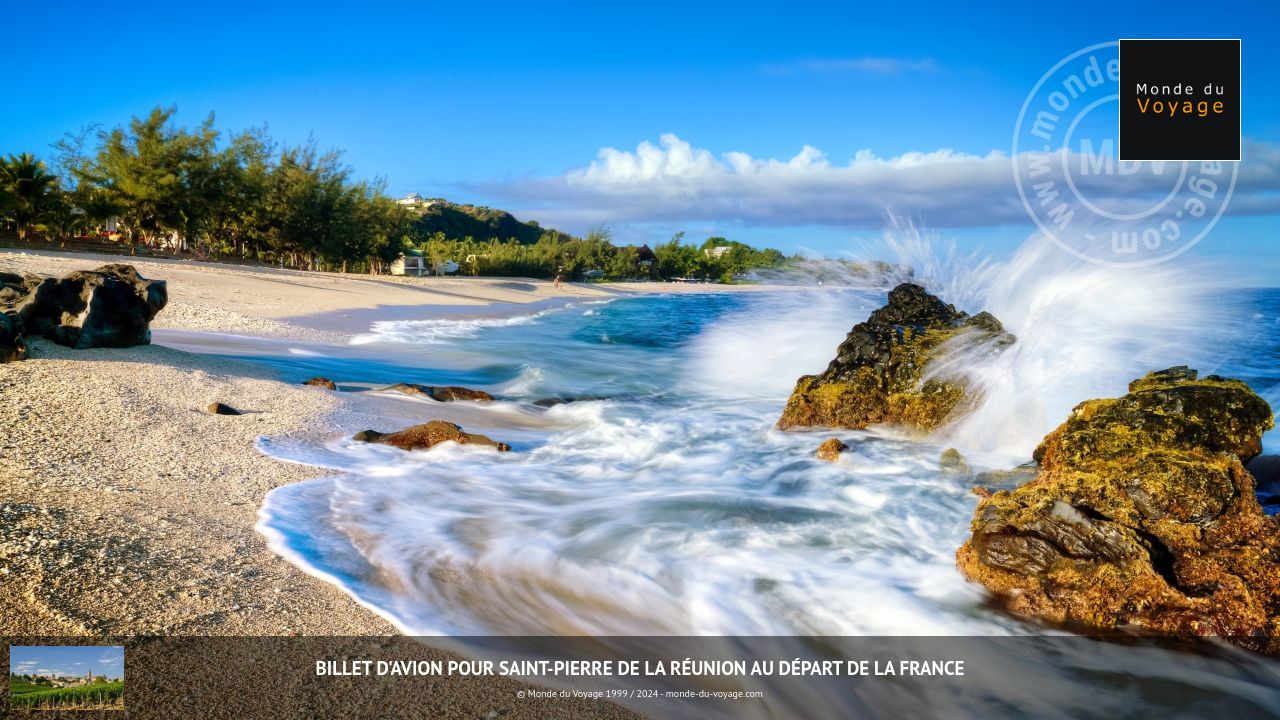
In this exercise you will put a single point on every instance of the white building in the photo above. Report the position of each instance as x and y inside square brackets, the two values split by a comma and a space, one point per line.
[414, 200]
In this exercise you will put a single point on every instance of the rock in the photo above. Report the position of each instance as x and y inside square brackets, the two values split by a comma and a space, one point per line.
[878, 374]
[952, 462]
[554, 401]
[1142, 516]
[221, 409]
[441, 393]
[323, 382]
[109, 307]
[13, 346]
[1008, 479]
[830, 449]
[427, 435]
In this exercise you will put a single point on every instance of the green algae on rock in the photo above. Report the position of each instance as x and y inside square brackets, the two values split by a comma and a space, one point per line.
[878, 374]
[427, 435]
[830, 449]
[1142, 517]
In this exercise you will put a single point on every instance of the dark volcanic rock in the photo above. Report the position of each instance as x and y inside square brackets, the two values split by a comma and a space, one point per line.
[878, 373]
[441, 393]
[427, 435]
[109, 307]
[221, 409]
[323, 382]
[1142, 516]
[554, 401]
[13, 346]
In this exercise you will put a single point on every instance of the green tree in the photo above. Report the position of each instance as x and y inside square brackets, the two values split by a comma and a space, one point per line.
[29, 190]
[161, 176]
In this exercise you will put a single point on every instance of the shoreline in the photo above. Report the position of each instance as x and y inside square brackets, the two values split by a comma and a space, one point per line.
[263, 301]
[126, 510]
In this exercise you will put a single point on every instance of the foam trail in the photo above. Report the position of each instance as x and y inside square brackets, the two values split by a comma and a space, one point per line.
[1084, 330]
[759, 353]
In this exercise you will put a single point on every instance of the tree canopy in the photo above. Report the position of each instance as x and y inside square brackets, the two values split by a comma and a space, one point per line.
[216, 194]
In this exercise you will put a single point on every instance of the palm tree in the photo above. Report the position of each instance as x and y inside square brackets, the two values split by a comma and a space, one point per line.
[99, 206]
[29, 185]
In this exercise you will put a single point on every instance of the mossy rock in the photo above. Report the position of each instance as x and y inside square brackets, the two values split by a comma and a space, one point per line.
[429, 434]
[1143, 517]
[878, 374]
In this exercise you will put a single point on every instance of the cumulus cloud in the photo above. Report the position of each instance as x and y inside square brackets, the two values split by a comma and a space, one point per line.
[673, 181]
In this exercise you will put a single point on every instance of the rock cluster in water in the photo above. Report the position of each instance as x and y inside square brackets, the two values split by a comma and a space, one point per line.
[878, 374]
[1142, 516]
[429, 434]
[441, 393]
[109, 307]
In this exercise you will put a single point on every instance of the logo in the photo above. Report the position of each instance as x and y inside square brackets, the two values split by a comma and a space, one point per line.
[1081, 195]
[1180, 100]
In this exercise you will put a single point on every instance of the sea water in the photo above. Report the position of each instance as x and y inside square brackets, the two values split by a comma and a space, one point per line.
[659, 499]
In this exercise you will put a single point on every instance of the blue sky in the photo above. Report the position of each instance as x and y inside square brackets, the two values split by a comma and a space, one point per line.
[500, 103]
[67, 660]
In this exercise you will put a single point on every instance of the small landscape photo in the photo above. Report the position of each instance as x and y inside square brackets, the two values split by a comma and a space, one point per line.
[66, 677]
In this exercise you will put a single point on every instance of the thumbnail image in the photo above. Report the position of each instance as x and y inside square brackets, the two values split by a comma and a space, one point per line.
[66, 677]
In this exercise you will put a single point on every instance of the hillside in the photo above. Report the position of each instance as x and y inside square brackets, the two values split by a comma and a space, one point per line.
[477, 221]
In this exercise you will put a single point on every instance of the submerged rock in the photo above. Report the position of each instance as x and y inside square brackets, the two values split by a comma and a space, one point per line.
[222, 409]
[878, 374]
[13, 346]
[427, 435]
[952, 462]
[323, 382]
[109, 307]
[1142, 516]
[441, 393]
[830, 449]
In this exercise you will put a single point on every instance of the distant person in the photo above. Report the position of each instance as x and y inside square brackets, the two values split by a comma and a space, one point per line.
[559, 277]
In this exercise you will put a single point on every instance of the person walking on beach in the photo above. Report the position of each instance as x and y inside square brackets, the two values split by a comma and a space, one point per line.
[559, 277]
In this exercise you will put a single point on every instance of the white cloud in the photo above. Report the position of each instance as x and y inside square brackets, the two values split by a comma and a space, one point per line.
[673, 181]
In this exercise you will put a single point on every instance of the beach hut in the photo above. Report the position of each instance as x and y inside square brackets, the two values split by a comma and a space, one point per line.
[411, 263]
[645, 256]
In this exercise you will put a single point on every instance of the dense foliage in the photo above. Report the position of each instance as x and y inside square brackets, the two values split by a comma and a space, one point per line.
[241, 195]
[558, 254]
[459, 221]
[212, 194]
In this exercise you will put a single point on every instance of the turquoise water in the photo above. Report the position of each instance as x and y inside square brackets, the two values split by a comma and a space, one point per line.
[662, 501]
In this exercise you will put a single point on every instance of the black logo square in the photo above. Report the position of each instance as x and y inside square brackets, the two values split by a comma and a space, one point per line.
[1179, 99]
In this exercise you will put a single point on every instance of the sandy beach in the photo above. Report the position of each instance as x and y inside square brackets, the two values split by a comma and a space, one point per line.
[127, 510]
[270, 302]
